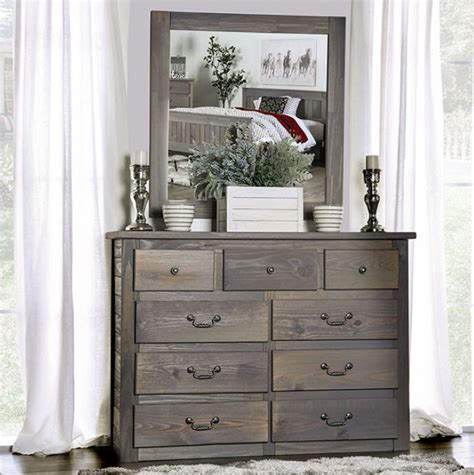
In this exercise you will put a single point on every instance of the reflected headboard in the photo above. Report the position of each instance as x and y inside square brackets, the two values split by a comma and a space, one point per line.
[312, 105]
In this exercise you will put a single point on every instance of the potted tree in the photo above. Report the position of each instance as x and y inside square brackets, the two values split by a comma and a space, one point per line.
[221, 61]
[258, 186]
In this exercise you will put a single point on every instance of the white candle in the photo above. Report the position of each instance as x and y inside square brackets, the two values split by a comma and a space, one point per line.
[372, 162]
[139, 157]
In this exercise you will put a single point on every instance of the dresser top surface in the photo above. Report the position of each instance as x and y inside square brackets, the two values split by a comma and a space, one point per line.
[301, 236]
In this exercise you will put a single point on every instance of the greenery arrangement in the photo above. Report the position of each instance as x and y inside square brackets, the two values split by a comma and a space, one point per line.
[241, 161]
[221, 60]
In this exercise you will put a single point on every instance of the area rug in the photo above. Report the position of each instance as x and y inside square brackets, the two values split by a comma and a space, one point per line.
[402, 464]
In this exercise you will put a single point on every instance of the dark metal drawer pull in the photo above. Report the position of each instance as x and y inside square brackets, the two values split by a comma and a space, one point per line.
[336, 323]
[325, 367]
[174, 271]
[270, 270]
[190, 421]
[215, 319]
[214, 371]
[325, 417]
[362, 270]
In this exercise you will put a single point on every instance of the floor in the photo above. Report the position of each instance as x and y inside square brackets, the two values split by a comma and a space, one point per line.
[462, 448]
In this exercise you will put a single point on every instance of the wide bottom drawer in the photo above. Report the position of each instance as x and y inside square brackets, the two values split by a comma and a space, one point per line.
[200, 423]
[342, 419]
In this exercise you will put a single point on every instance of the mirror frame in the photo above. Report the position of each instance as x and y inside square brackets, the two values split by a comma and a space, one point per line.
[162, 22]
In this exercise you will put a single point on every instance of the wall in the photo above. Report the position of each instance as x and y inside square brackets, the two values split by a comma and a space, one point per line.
[139, 53]
[193, 45]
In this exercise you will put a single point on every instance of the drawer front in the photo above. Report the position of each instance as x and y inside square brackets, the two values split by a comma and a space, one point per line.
[330, 419]
[335, 319]
[224, 372]
[174, 270]
[180, 87]
[199, 424]
[180, 100]
[270, 270]
[297, 370]
[197, 322]
[361, 269]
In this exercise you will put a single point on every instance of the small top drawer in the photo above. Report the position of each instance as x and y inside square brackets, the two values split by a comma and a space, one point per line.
[270, 270]
[361, 269]
[174, 270]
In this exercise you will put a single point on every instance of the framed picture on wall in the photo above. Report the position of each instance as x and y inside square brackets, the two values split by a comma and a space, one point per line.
[291, 62]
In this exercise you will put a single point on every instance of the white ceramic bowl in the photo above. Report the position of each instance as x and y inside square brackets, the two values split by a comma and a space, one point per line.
[178, 216]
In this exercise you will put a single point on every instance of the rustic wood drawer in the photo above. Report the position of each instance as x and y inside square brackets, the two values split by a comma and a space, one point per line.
[335, 319]
[297, 370]
[201, 423]
[180, 87]
[201, 372]
[330, 419]
[262, 269]
[180, 100]
[361, 269]
[197, 322]
[174, 270]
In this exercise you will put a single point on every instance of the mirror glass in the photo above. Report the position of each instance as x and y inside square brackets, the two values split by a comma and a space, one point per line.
[282, 94]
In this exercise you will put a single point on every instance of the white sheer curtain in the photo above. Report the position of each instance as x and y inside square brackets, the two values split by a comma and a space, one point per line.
[71, 136]
[396, 109]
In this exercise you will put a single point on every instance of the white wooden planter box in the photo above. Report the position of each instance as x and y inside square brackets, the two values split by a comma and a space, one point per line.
[261, 209]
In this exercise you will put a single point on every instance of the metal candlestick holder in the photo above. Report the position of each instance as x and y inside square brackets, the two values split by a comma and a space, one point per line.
[140, 175]
[372, 199]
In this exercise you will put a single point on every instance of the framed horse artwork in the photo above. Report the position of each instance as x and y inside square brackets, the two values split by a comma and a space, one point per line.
[295, 62]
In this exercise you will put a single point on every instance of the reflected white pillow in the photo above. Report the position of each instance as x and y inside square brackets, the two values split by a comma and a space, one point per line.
[290, 108]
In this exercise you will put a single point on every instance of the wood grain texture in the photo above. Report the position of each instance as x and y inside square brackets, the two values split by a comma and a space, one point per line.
[160, 322]
[300, 420]
[301, 369]
[164, 425]
[154, 270]
[250, 270]
[334, 447]
[249, 23]
[335, 112]
[403, 441]
[159, 373]
[159, 106]
[335, 319]
[200, 452]
[344, 269]
[328, 238]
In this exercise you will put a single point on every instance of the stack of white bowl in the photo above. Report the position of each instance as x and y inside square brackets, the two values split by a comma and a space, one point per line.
[328, 219]
[178, 215]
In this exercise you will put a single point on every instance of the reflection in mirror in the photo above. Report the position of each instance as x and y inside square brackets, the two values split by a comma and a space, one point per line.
[274, 83]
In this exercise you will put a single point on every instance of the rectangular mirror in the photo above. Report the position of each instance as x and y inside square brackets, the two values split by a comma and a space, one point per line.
[292, 70]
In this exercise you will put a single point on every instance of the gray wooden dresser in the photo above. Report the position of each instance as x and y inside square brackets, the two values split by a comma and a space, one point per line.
[245, 344]
[181, 93]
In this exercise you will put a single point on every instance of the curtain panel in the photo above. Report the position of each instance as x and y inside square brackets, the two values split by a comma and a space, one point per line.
[396, 111]
[71, 135]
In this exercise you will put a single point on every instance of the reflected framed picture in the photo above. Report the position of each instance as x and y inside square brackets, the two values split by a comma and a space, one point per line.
[178, 67]
[292, 62]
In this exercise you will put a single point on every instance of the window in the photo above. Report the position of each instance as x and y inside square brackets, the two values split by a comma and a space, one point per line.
[456, 57]
[11, 400]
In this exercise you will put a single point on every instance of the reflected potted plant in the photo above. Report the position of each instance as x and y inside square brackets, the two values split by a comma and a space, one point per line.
[257, 185]
[221, 61]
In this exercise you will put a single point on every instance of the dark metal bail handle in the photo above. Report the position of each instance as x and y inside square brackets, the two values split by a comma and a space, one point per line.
[336, 323]
[174, 271]
[212, 422]
[215, 319]
[192, 370]
[347, 417]
[347, 367]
